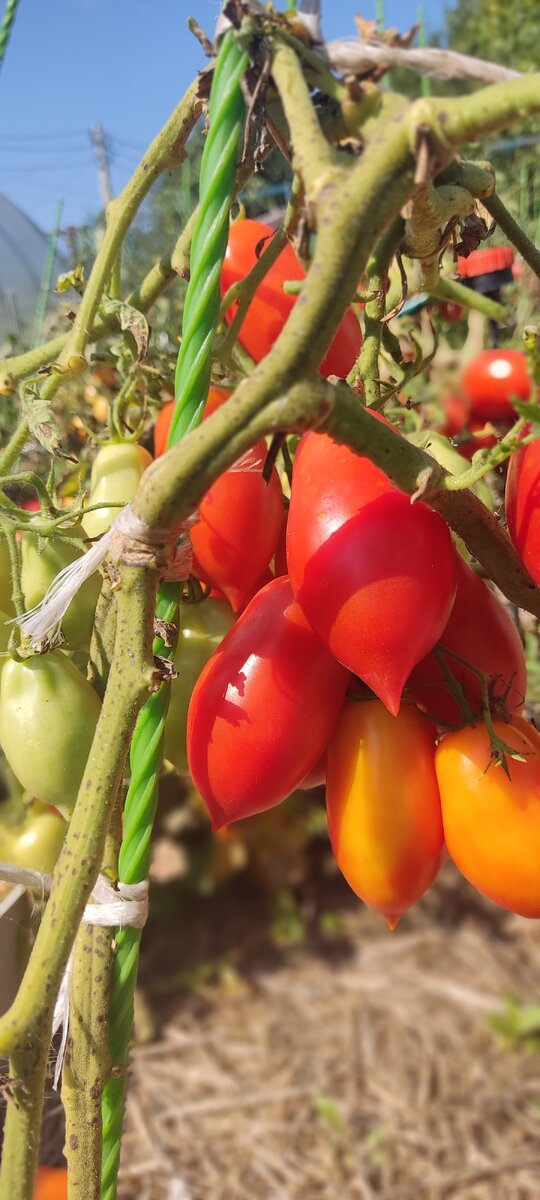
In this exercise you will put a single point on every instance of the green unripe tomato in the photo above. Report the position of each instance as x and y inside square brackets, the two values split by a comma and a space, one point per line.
[6, 602]
[40, 565]
[115, 477]
[5, 634]
[37, 842]
[48, 716]
[202, 628]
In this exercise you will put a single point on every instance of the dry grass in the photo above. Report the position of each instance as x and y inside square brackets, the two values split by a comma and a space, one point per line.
[359, 1064]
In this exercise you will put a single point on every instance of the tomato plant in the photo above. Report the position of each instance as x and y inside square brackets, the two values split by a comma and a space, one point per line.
[522, 503]
[492, 380]
[263, 708]
[384, 813]
[375, 575]
[216, 397]
[240, 523]
[271, 305]
[116, 474]
[492, 822]
[48, 715]
[481, 631]
[201, 629]
[41, 561]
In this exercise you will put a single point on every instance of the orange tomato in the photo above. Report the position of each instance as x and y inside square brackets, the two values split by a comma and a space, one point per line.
[492, 823]
[216, 397]
[384, 814]
[51, 1183]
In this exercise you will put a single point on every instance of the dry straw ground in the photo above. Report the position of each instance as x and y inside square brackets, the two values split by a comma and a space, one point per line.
[354, 1064]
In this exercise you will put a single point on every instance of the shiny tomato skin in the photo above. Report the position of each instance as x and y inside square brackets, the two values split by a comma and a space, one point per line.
[271, 306]
[451, 311]
[492, 823]
[374, 574]
[51, 1183]
[384, 813]
[216, 397]
[480, 630]
[522, 502]
[492, 380]
[238, 531]
[263, 709]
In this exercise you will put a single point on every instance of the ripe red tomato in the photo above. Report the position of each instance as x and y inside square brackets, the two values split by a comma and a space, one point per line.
[384, 813]
[263, 708]
[374, 574]
[481, 630]
[456, 414]
[271, 306]
[239, 527]
[216, 397]
[479, 440]
[492, 823]
[493, 380]
[522, 502]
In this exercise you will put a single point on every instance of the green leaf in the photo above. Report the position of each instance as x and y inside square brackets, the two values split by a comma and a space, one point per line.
[131, 321]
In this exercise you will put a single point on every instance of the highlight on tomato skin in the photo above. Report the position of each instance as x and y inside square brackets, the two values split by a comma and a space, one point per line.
[271, 305]
[492, 380]
[480, 630]
[375, 575]
[492, 822]
[263, 708]
[384, 814]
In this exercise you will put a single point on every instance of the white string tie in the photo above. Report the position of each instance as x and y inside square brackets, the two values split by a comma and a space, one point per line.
[40, 623]
[109, 907]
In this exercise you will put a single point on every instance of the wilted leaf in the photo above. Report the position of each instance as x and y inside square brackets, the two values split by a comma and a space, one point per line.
[130, 320]
[41, 420]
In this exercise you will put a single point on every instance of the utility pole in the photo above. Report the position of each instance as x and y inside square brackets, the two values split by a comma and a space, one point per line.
[97, 137]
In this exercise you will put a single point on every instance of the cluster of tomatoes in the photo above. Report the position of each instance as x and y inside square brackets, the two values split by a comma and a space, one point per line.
[344, 640]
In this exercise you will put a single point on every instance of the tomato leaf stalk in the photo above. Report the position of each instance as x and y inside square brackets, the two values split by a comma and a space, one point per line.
[218, 181]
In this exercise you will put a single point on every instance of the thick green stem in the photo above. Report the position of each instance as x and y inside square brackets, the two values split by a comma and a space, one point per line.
[367, 368]
[87, 1061]
[457, 293]
[14, 448]
[28, 1069]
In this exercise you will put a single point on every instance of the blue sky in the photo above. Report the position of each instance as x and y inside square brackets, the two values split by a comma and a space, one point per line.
[124, 63]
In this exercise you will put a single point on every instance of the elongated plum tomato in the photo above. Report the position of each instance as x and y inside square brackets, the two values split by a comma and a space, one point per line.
[239, 527]
[492, 822]
[115, 477]
[522, 503]
[492, 380]
[216, 397]
[201, 629]
[374, 574]
[480, 630]
[51, 1183]
[384, 813]
[271, 305]
[48, 716]
[41, 561]
[263, 708]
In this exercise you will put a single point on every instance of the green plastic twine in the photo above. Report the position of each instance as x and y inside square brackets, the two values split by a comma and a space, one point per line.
[217, 187]
[8, 19]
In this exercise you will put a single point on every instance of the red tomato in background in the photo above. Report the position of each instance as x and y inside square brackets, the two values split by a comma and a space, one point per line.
[522, 503]
[384, 812]
[238, 531]
[478, 441]
[216, 397]
[492, 822]
[374, 574]
[263, 708]
[481, 630]
[456, 414]
[271, 306]
[493, 380]
[452, 312]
